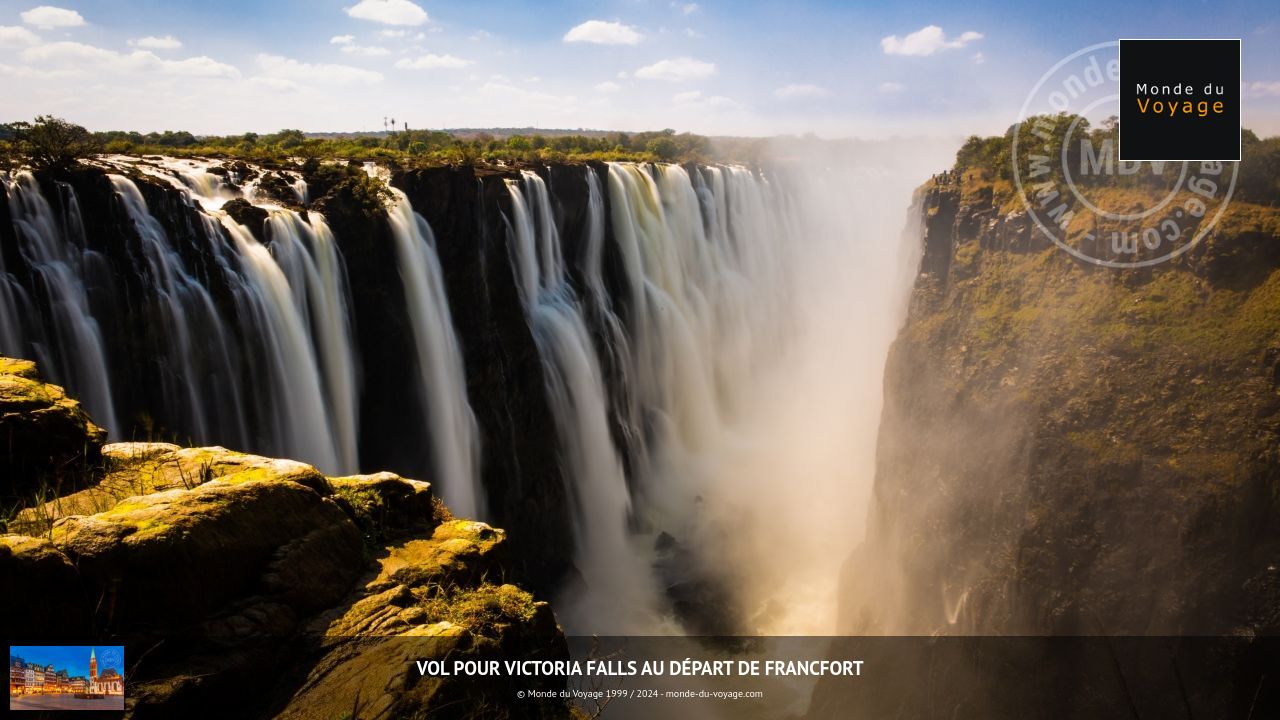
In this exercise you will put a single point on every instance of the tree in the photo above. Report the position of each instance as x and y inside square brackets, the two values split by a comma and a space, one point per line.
[664, 148]
[54, 143]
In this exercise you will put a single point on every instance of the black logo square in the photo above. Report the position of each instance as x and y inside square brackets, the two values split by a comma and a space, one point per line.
[1179, 100]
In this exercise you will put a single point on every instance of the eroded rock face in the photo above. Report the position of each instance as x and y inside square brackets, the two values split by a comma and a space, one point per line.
[48, 444]
[1072, 451]
[247, 586]
[429, 599]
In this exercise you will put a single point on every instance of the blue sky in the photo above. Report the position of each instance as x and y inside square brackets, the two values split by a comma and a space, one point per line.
[862, 69]
[72, 658]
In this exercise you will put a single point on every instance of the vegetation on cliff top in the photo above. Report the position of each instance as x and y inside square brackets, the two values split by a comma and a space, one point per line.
[989, 160]
[52, 142]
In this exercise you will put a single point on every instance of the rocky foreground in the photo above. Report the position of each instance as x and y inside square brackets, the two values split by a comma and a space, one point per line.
[245, 586]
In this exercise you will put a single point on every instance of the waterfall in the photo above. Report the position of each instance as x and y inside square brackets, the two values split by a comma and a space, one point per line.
[441, 381]
[198, 374]
[297, 298]
[309, 258]
[617, 594]
[55, 251]
[712, 347]
[301, 422]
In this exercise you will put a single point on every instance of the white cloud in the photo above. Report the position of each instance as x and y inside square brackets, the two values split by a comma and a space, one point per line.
[199, 66]
[389, 12]
[603, 32]
[520, 96]
[365, 50]
[890, 88]
[690, 32]
[689, 8]
[431, 61]
[78, 56]
[979, 58]
[926, 41]
[69, 54]
[608, 86]
[168, 42]
[47, 17]
[15, 35]
[677, 70]
[278, 66]
[393, 33]
[1259, 89]
[479, 35]
[715, 102]
[800, 91]
[341, 39]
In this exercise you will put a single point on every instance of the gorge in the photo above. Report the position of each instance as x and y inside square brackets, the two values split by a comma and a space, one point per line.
[587, 355]
[664, 382]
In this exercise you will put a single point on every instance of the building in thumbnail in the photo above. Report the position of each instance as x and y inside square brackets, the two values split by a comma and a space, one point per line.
[17, 676]
[29, 678]
[108, 683]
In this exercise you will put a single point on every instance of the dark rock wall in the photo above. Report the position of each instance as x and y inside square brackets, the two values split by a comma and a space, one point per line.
[521, 473]
[505, 382]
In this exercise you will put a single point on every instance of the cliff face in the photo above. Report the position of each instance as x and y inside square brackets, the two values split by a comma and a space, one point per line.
[504, 373]
[1075, 450]
[506, 386]
[1069, 451]
[251, 587]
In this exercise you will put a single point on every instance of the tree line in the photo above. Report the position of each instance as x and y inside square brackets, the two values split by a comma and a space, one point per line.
[53, 142]
[1258, 178]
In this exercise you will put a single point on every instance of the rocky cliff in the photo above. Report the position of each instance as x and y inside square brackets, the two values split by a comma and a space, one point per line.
[156, 401]
[1069, 450]
[244, 586]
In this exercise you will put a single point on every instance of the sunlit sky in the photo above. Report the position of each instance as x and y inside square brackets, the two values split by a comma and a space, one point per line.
[852, 69]
[72, 658]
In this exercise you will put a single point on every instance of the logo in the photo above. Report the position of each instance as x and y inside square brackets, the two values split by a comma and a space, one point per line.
[1180, 100]
[1098, 208]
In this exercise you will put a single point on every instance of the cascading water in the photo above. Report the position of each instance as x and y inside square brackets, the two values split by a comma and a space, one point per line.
[300, 421]
[441, 381]
[713, 375]
[746, 343]
[309, 258]
[55, 251]
[761, 307]
[195, 380]
[617, 591]
[297, 297]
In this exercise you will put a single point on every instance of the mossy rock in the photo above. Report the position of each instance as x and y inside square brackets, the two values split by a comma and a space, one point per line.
[175, 557]
[385, 505]
[48, 443]
[139, 468]
[459, 552]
